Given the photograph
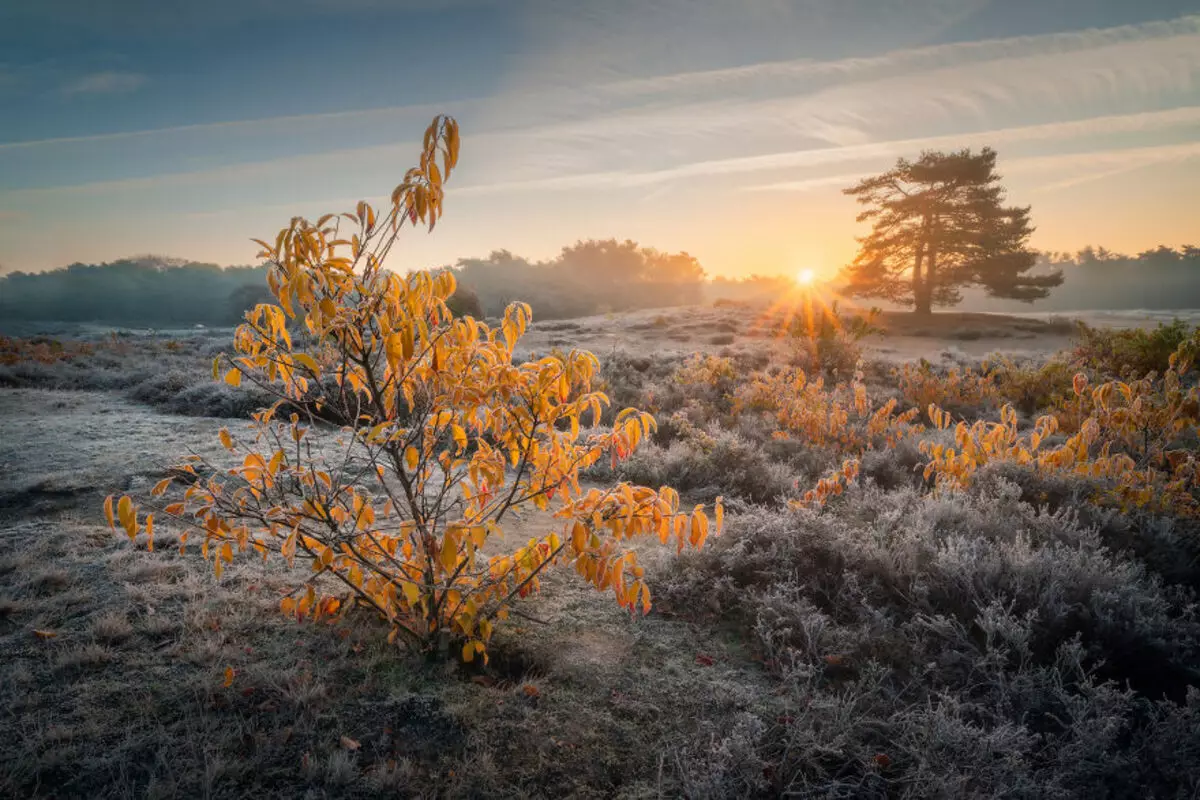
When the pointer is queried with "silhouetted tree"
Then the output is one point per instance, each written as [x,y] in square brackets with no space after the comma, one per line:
[143,291]
[939,224]
[588,277]
[464,302]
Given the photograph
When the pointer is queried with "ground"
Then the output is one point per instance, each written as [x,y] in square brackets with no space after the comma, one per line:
[116,676]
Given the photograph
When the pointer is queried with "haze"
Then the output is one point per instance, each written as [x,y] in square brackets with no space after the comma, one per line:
[726,130]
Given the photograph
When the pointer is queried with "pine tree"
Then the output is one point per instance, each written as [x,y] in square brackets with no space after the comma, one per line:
[939,224]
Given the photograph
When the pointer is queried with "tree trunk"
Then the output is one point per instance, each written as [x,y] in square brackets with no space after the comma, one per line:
[924,305]
[918,279]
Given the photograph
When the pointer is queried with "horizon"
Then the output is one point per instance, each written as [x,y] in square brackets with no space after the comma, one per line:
[728,135]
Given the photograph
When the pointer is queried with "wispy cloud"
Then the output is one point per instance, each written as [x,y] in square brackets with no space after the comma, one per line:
[913,60]
[105,83]
[1099,164]
[976,76]
[509,180]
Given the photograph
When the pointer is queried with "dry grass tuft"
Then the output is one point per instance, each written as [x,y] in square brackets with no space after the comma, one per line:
[112,628]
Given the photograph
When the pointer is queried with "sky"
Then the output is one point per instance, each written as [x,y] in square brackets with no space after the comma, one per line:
[727,130]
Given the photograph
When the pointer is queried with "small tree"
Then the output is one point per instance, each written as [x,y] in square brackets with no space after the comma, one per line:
[445,438]
[938,224]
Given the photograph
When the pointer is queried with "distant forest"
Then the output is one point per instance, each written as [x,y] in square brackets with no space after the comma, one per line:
[1096,279]
[585,278]
[144,292]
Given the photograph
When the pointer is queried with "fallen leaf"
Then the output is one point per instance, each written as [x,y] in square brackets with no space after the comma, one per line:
[349,744]
[45,634]
[703,660]
[229,673]
[882,760]
[530,690]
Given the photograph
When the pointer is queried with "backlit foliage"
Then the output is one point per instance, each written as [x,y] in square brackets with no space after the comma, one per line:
[843,416]
[1136,438]
[443,439]
[921,385]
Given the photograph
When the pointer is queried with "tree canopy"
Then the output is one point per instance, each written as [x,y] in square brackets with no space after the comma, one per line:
[939,224]
[588,277]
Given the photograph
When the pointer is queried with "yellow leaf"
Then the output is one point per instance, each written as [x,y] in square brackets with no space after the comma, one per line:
[226,439]
[468,652]
[308,362]
[161,487]
[127,516]
[108,512]
[233,377]
[411,457]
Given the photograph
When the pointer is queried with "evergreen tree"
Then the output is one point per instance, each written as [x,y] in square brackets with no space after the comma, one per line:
[939,224]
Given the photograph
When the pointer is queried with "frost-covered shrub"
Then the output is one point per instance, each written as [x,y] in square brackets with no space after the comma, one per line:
[210,399]
[159,390]
[956,645]
[704,465]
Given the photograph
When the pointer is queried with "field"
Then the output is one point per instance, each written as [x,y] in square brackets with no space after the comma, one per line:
[1002,629]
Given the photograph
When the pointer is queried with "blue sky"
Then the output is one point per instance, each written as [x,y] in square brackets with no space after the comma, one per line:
[724,129]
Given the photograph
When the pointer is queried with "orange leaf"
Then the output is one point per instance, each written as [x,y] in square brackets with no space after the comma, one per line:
[229,673]
[45,634]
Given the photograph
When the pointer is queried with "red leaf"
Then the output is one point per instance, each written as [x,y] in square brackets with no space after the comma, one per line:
[703,660]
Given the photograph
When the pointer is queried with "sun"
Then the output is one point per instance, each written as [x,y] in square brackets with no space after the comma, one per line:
[805,277]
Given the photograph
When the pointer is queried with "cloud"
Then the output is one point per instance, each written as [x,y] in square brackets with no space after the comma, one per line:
[105,83]
[912,60]
[1099,164]
[838,97]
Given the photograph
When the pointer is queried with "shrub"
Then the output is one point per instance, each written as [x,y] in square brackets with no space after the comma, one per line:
[827,339]
[1131,353]
[966,646]
[161,389]
[960,391]
[707,465]
[220,400]
[393,513]
[1138,438]
[1032,388]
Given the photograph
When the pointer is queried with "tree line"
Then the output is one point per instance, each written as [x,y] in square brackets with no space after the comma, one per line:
[588,277]
[146,291]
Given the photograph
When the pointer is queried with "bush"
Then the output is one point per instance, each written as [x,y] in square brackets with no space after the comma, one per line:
[1131,353]
[160,390]
[827,340]
[1032,388]
[443,436]
[705,465]
[955,646]
[220,401]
